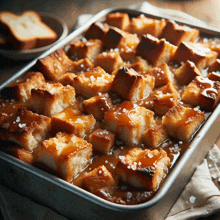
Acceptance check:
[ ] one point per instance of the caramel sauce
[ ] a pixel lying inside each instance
(72, 146)
(147, 160)
(208, 87)
(123, 113)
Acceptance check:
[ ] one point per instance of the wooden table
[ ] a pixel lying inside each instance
(69, 10)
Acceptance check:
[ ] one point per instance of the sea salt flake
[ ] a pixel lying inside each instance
(129, 195)
(192, 199)
(18, 119)
(150, 155)
(21, 125)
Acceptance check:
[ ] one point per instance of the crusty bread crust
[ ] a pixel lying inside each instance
(27, 30)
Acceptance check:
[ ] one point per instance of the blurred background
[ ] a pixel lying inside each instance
(69, 10)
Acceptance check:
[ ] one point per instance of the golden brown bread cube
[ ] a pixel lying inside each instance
(118, 19)
(215, 67)
(161, 73)
(109, 61)
(175, 33)
(132, 86)
(143, 168)
(65, 154)
(67, 79)
(21, 89)
(155, 50)
(55, 64)
(85, 49)
(164, 98)
(143, 25)
(140, 65)
(168, 88)
(22, 155)
(182, 122)
(187, 72)
(128, 121)
(97, 30)
(195, 52)
(99, 178)
(56, 96)
(116, 38)
(25, 128)
(163, 102)
(92, 83)
(82, 65)
(202, 92)
(97, 106)
(212, 43)
(214, 76)
(154, 136)
(102, 140)
(70, 122)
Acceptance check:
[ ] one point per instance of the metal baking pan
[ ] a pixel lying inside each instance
(76, 203)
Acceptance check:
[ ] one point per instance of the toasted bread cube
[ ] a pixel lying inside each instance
(9, 108)
(109, 61)
(155, 50)
(56, 96)
(99, 178)
(92, 83)
(102, 140)
(118, 19)
(140, 65)
(202, 92)
(70, 122)
(212, 43)
(22, 155)
(187, 72)
(132, 86)
(143, 25)
(85, 49)
(128, 121)
(195, 52)
(97, 31)
(214, 76)
(163, 102)
(125, 42)
(21, 89)
(167, 89)
(97, 106)
(116, 38)
(25, 128)
(161, 73)
(215, 67)
(143, 168)
(67, 79)
(164, 98)
(66, 154)
(55, 64)
(182, 122)
(154, 136)
(82, 65)
(175, 33)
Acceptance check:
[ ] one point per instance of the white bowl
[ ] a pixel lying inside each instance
(55, 23)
